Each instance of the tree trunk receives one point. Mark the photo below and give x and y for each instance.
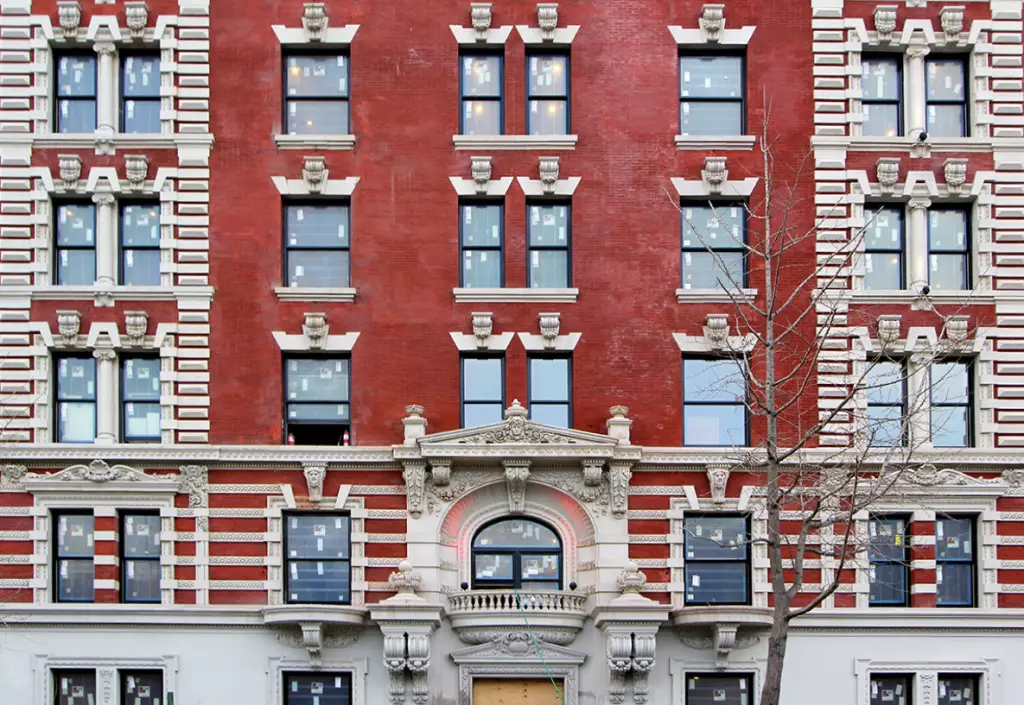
(772, 690)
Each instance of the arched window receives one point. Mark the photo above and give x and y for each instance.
(517, 553)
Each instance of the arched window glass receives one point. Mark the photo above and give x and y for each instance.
(517, 553)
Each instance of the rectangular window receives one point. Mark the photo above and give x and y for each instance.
(548, 97)
(316, 94)
(954, 561)
(74, 534)
(142, 688)
(885, 385)
(76, 399)
(714, 255)
(948, 249)
(946, 96)
(320, 688)
(717, 560)
(317, 408)
(549, 242)
(75, 243)
(481, 234)
(882, 86)
(483, 390)
(140, 93)
(714, 402)
(950, 387)
(319, 553)
(74, 687)
(317, 245)
(884, 236)
(889, 569)
(140, 399)
(76, 92)
(140, 557)
(140, 244)
(891, 689)
(718, 689)
(550, 390)
(712, 95)
(959, 690)
(481, 93)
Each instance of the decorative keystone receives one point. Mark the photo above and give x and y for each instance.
(955, 171)
(314, 21)
(314, 173)
(480, 167)
(956, 329)
(952, 19)
(314, 329)
(714, 174)
(136, 168)
(136, 15)
(549, 173)
(887, 171)
(315, 475)
(135, 325)
(414, 423)
(406, 580)
(70, 168)
(712, 21)
(631, 579)
(718, 479)
(547, 20)
(716, 330)
(68, 324)
(70, 16)
(889, 329)
(619, 425)
(549, 325)
(480, 16)
(885, 22)
(483, 328)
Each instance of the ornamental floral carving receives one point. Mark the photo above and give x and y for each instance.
(952, 19)
(930, 476)
(955, 172)
(712, 21)
(314, 173)
(619, 476)
(887, 171)
(135, 324)
(194, 481)
(315, 475)
(889, 329)
(574, 485)
(70, 16)
(714, 174)
(99, 471)
(1013, 477)
(68, 325)
(314, 21)
(483, 328)
(405, 580)
(718, 478)
(11, 476)
(549, 326)
(136, 15)
(516, 429)
(956, 329)
(885, 21)
(70, 167)
(517, 473)
(314, 330)
(631, 579)
(415, 475)
(480, 168)
(480, 16)
(716, 330)
(547, 20)
(548, 167)
(440, 472)
(136, 167)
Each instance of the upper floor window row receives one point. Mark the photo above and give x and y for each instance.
(895, 97)
(79, 225)
(482, 94)
(939, 246)
(78, 392)
(78, 93)
(316, 94)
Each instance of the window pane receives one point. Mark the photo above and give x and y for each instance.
(884, 229)
(713, 380)
(75, 580)
(890, 690)
(721, 270)
(887, 583)
(947, 272)
(539, 567)
(481, 117)
(946, 121)
(481, 379)
(714, 425)
(140, 225)
(77, 422)
(883, 270)
(141, 77)
(317, 226)
(881, 120)
(714, 227)
(950, 383)
(76, 76)
(142, 581)
(549, 269)
(76, 378)
(548, 117)
(318, 268)
(549, 379)
(550, 414)
(516, 533)
(75, 687)
(955, 583)
(481, 76)
(492, 567)
(947, 230)
(718, 690)
(318, 689)
(319, 581)
(76, 267)
(883, 382)
(317, 380)
(961, 690)
(950, 426)
(142, 116)
(321, 536)
(318, 117)
(481, 269)
(141, 379)
(549, 225)
(317, 76)
(75, 535)
(141, 535)
(711, 77)
(76, 115)
(718, 118)
(481, 225)
(333, 413)
(887, 539)
(481, 414)
(716, 537)
(945, 79)
(884, 426)
(953, 539)
(76, 225)
(548, 75)
(141, 421)
(143, 687)
(724, 583)
(141, 268)
(880, 79)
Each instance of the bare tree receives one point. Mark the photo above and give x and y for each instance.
(794, 343)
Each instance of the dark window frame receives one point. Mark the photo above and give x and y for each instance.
(517, 556)
(529, 383)
(309, 355)
(462, 383)
(903, 562)
(500, 249)
(121, 83)
(900, 101)
(345, 203)
(56, 674)
(58, 400)
(530, 247)
(972, 561)
(58, 248)
(749, 677)
(908, 681)
(123, 248)
(122, 412)
(286, 679)
(57, 98)
(747, 561)
(304, 51)
(746, 410)
(58, 556)
(901, 250)
(124, 675)
(904, 404)
(288, 560)
(742, 100)
(500, 98)
(565, 98)
(975, 680)
(124, 558)
(742, 249)
(969, 404)
(966, 252)
(964, 103)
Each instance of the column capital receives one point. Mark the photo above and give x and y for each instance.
(104, 48)
(919, 204)
(103, 199)
(918, 51)
(104, 354)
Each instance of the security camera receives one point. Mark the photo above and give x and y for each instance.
(922, 137)
(925, 290)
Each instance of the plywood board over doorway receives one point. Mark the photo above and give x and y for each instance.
(519, 691)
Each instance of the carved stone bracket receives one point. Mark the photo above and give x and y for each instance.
(135, 325)
(407, 622)
(889, 329)
(714, 174)
(69, 324)
(483, 327)
(315, 173)
(480, 167)
(517, 472)
(549, 326)
(955, 173)
(885, 22)
(725, 639)
(69, 14)
(952, 20)
(480, 16)
(415, 475)
(619, 475)
(630, 625)
(70, 168)
(11, 476)
(718, 478)
(194, 481)
(136, 168)
(313, 640)
(548, 167)
(547, 19)
(136, 15)
(712, 22)
(887, 172)
(440, 472)
(315, 330)
(315, 476)
(716, 330)
(314, 21)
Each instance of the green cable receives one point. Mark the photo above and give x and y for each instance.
(536, 647)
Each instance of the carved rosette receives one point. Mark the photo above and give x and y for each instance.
(517, 473)
(480, 17)
(885, 21)
(314, 21)
(69, 324)
(314, 173)
(135, 325)
(136, 15)
(887, 171)
(714, 174)
(314, 330)
(415, 474)
(69, 14)
(548, 173)
(480, 168)
(549, 327)
(483, 327)
(619, 476)
(315, 476)
(712, 21)
(70, 168)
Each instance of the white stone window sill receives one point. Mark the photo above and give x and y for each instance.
(698, 142)
(315, 141)
(903, 296)
(564, 296)
(907, 144)
(309, 293)
(117, 293)
(690, 296)
(515, 141)
(88, 140)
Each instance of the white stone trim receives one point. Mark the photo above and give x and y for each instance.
(534, 188)
(277, 666)
(334, 37)
(300, 187)
(693, 188)
(108, 681)
(680, 667)
(718, 296)
(926, 677)
(562, 343)
(515, 295)
(315, 142)
(563, 36)
(466, 36)
(467, 342)
(701, 345)
(702, 143)
(514, 142)
(297, 342)
(311, 293)
(495, 187)
(698, 38)
(484, 661)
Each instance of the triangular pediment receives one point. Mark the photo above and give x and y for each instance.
(518, 647)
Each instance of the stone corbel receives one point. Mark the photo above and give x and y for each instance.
(952, 19)
(315, 476)
(136, 15)
(712, 22)
(718, 478)
(70, 168)
(480, 31)
(715, 338)
(517, 473)
(314, 21)
(136, 168)
(315, 336)
(395, 663)
(725, 639)
(714, 181)
(888, 330)
(315, 330)
(69, 14)
(549, 184)
(547, 30)
(887, 172)
(483, 336)
(885, 22)
(440, 472)
(315, 29)
(483, 328)
(315, 173)
(549, 339)
(313, 640)
(135, 325)
(619, 474)
(481, 184)
(418, 661)
(414, 473)
(69, 324)
(315, 181)
(955, 173)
